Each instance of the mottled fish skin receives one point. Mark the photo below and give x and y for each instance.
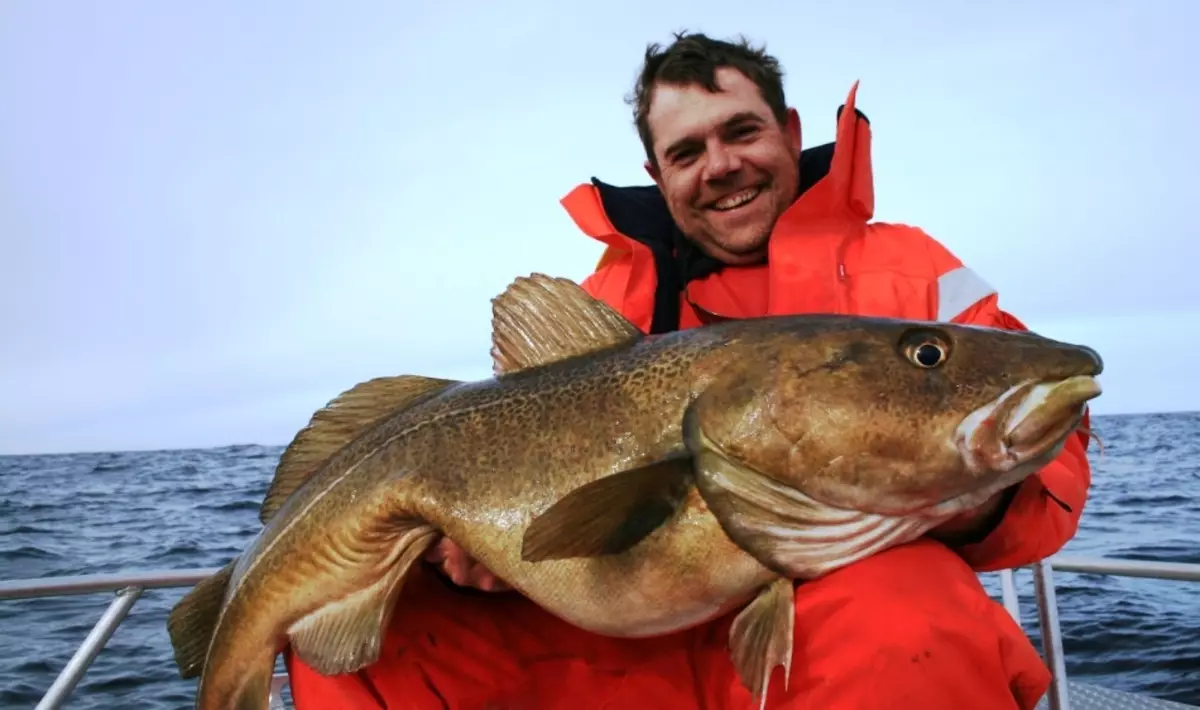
(563, 427)
(534, 437)
(785, 399)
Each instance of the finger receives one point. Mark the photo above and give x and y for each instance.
(437, 553)
(456, 565)
(483, 578)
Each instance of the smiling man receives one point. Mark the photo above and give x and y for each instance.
(742, 222)
(722, 163)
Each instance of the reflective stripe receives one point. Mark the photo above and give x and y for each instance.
(958, 290)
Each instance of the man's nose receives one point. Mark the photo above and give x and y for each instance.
(721, 161)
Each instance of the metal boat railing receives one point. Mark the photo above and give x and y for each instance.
(1047, 602)
(129, 587)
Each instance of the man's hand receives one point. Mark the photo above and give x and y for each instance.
(461, 569)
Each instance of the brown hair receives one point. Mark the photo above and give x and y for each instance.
(694, 59)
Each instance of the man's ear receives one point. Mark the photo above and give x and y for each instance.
(654, 173)
(793, 132)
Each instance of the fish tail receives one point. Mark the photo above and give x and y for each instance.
(194, 619)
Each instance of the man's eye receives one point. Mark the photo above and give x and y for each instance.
(685, 156)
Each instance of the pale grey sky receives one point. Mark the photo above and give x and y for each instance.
(216, 216)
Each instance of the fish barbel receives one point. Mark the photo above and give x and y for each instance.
(630, 485)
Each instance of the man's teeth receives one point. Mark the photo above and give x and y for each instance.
(737, 199)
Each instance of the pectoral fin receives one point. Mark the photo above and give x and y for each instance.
(761, 638)
(611, 515)
(346, 634)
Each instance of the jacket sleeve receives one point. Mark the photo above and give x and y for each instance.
(313, 691)
(1043, 511)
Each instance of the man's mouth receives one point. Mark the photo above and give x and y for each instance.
(737, 199)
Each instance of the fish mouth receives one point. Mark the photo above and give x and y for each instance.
(1027, 424)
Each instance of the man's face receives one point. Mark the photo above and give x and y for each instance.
(726, 168)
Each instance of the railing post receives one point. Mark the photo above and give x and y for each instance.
(275, 700)
(1047, 599)
(1008, 592)
(73, 672)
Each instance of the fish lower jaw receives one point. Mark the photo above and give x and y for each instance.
(1000, 481)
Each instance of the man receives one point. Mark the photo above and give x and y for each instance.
(742, 223)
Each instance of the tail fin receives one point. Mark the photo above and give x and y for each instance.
(194, 619)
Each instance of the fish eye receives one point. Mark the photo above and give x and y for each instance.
(927, 353)
(926, 347)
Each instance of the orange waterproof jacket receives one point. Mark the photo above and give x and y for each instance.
(910, 627)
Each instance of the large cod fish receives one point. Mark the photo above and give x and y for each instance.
(630, 485)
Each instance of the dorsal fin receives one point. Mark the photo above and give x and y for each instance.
(337, 424)
(540, 319)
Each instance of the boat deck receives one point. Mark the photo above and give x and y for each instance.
(1085, 696)
(1064, 693)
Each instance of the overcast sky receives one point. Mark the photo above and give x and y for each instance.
(215, 216)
